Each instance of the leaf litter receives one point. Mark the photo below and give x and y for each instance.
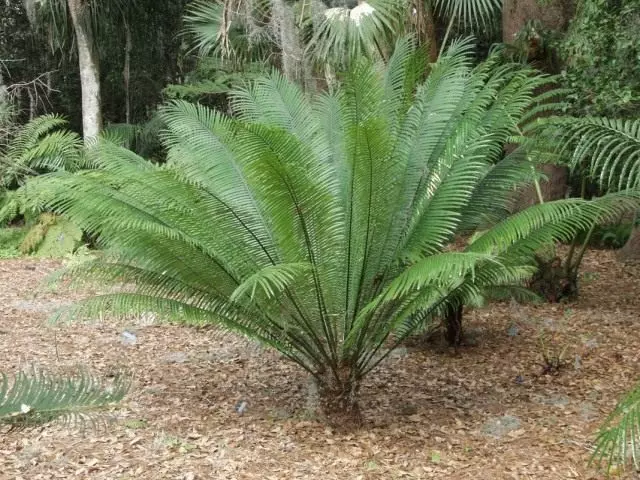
(425, 408)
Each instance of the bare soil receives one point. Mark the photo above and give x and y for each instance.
(430, 412)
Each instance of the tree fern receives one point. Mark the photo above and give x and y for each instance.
(321, 226)
(31, 400)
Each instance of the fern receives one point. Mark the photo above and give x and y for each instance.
(31, 400)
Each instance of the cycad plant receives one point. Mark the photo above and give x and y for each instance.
(322, 227)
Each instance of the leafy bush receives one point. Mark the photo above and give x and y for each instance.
(322, 227)
(603, 56)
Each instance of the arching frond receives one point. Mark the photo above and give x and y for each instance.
(31, 400)
(610, 148)
(474, 13)
(618, 442)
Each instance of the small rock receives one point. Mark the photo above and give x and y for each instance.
(577, 363)
(554, 400)
(519, 379)
(513, 331)
(175, 357)
(591, 343)
(128, 338)
(498, 427)
(588, 412)
(399, 352)
(241, 407)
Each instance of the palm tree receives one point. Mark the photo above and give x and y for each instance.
(301, 33)
(31, 400)
(322, 227)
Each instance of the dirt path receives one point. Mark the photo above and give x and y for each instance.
(429, 412)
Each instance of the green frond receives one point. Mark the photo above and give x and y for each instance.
(610, 148)
(367, 29)
(618, 442)
(270, 280)
(473, 13)
(31, 400)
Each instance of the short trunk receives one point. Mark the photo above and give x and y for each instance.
(339, 401)
(89, 70)
(554, 281)
(453, 325)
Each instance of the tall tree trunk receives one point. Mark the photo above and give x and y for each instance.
(127, 70)
(554, 15)
(89, 70)
(425, 26)
(290, 49)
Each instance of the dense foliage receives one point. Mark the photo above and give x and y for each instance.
(322, 227)
(602, 55)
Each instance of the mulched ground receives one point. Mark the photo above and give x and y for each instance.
(427, 408)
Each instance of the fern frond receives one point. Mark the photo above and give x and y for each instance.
(618, 442)
(31, 400)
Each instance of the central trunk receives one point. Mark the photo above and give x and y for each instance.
(453, 324)
(339, 399)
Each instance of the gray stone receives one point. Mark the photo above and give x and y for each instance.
(551, 325)
(128, 338)
(176, 357)
(498, 427)
(554, 400)
(513, 331)
(39, 306)
(399, 352)
(588, 412)
(591, 343)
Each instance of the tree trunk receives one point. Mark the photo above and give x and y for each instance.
(425, 26)
(89, 70)
(631, 250)
(290, 50)
(126, 73)
(339, 399)
(553, 14)
(453, 324)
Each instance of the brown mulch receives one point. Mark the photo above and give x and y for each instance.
(425, 407)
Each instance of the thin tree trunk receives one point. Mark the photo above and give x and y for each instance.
(290, 50)
(89, 70)
(430, 29)
(127, 71)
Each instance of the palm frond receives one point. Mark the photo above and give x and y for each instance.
(473, 13)
(28, 400)
(618, 442)
(610, 148)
